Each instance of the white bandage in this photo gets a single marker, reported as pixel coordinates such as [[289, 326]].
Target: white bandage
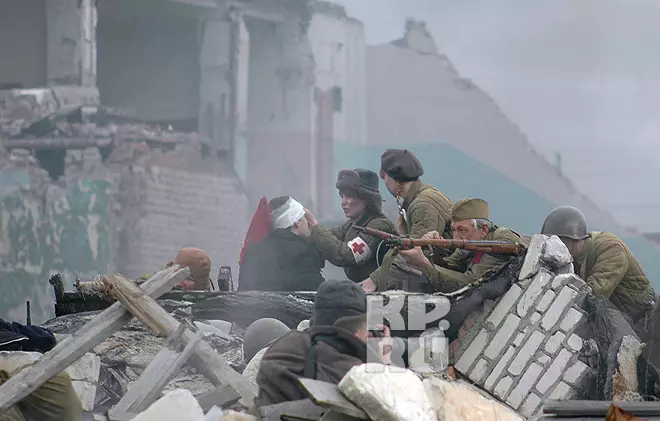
[[288, 214], [360, 249]]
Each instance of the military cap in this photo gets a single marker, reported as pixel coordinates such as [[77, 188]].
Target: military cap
[[199, 263], [401, 165], [357, 180], [470, 209]]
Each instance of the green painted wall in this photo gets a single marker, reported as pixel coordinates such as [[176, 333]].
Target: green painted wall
[[458, 175], [67, 234]]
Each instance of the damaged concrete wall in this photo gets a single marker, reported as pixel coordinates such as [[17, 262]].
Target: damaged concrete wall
[[23, 60]]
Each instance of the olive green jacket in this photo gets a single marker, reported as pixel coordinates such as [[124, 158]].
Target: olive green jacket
[[345, 247], [463, 268], [427, 209], [608, 266]]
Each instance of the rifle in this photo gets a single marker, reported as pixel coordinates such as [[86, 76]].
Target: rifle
[[484, 246]]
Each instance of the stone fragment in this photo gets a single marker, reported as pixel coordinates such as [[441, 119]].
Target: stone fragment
[[562, 392], [518, 339], [530, 405], [472, 352], [625, 384], [524, 385], [387, 393], [532, 263], [533, 292], [575, 373], [454, 401], [571, 319], [566, 279], [565, 296], [543, 359], [479, 371], [504, 306], [554, 372], [554, 343], [545, 302], [502, 337], [503, 387], [526, 353], [534, 319], [568, 269], [499, 368], [178, 405], [574, 342], [555, 254]]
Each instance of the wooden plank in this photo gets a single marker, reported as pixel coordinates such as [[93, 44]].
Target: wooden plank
[[599, 408], [328, 395], [303, 409], [83, 340], [221, 396], [165, 365], [204, 358]]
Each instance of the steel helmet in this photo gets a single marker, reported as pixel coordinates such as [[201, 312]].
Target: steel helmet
[[566, 221]]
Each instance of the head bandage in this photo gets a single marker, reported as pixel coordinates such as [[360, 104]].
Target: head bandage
[[287, 214]]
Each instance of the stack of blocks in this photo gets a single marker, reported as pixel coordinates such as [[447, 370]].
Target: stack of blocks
[[526, 350]]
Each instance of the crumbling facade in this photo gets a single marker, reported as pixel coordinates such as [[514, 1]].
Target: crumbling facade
[[81, 199]]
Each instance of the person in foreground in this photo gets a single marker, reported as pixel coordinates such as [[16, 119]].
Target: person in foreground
[[604, 262], [285, 260], [422, 208], [470, 221], [344, 246], [55, 400], [335, 342]]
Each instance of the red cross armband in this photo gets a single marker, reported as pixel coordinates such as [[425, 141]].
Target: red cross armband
[[360, 249]]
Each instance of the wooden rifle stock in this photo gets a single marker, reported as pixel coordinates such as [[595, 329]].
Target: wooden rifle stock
[[484, 246]]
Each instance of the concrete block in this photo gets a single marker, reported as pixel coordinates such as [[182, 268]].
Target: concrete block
[[502, 337], [554, 343], [574, 342], [505, 305], [456, 401], [387, 393], [555, 254], [535, 289], [503, 387], [526, 353], [576, 373], [556, 310], [479, 371], [554, 372], [472, 352], [524, 385], [562, 392], [571, 319], [545, 302], [499, 368], [530, 405], [534, 319], [86, 392], [532, 263]]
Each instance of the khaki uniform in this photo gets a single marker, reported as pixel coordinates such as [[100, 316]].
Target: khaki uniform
[[55, 400], [345, 247], [610, 269], [464, 268], [426, 209]]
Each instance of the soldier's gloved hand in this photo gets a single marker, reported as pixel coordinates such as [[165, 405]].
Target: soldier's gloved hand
[[432, 235]]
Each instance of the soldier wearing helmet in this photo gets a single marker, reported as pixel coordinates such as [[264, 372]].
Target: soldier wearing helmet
[[603, 261]]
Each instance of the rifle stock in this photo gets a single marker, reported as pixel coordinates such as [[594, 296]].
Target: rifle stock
[[484, 246]]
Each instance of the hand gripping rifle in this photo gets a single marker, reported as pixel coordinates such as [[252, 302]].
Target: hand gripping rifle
[[484, 246]]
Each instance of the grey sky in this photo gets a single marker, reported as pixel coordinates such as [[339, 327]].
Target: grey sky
[[581, 77]]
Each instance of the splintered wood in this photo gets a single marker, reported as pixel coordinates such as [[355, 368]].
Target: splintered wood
[[76, 345], [183, 344]]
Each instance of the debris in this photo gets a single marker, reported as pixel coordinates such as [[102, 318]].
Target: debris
[[555, 253], [532, 259], [177, 405]]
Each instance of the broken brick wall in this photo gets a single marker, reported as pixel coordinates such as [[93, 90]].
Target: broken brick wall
[[129, 213]]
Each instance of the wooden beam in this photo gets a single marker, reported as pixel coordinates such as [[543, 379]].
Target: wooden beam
[[165, 365], [599, 408], [82, 341], [204, 358]]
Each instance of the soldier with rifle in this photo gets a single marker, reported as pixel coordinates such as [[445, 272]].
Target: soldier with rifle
[[479, 247]]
